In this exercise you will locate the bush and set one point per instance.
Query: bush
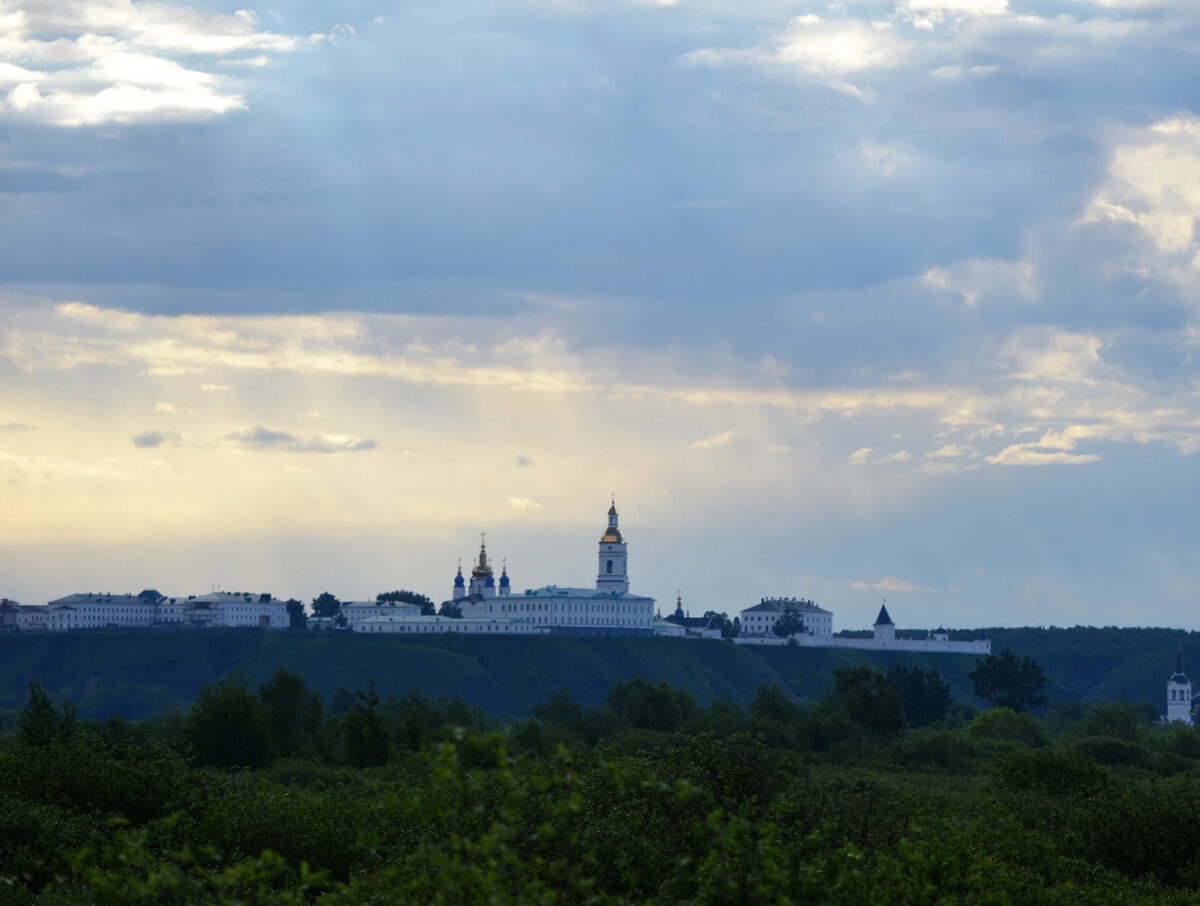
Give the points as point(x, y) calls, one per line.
point(1057, 772)
point(1006, 724)
point(942, 750)
point(1111, 751)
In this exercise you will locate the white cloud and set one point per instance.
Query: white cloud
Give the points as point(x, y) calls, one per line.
point(949, 451)
point(523, 503)
point(890, 583)
point(827, 49)
point(215, 388)
point(987, 280)
point(1030, 455)
point(74, 63)
point(865, 456)
point(1153, 186)
point(709, 443)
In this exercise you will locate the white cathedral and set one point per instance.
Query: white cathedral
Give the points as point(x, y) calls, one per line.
point(607, 609)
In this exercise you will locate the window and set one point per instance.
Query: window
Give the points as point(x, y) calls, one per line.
point(610, 567)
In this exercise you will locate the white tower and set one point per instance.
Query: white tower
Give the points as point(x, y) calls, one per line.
point(1179, 693)
point(614, 556)
point(884, 628)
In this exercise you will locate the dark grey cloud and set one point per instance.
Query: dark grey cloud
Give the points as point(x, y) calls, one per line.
point(147, 440)
point(262, 438)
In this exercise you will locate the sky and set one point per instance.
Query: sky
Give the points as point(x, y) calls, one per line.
point(842, 300)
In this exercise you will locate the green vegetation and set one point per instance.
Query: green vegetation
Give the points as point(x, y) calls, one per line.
point(139, 674)
point(258, 793)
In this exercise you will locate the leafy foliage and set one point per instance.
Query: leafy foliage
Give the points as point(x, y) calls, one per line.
point(404, 596)
point(790, 623)
point(229, 726)
point(325, 605)
point(1008, 681)
point(925, 695)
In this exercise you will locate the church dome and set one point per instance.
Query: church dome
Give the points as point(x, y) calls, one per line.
point(504, 583)
point(458, 580)
point(612, 534)
point(490, 581)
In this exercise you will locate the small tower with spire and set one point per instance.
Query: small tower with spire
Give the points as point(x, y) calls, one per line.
point(1179, 693)
point(504, 581)
point(460, 585)
point(614, 556)
point(884, 628)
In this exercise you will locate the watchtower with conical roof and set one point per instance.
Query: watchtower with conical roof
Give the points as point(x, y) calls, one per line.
point(884, 628)
point(1179, 692)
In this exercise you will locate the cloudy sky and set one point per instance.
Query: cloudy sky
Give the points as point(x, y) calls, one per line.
point(847, 300)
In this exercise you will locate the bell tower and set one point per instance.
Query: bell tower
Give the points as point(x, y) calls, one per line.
point(614, 556)
point(1179, 693)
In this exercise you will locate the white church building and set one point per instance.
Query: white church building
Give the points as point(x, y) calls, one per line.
point(1179, 693)
point(607, 609)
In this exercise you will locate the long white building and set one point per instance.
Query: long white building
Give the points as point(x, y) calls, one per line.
point(151, 610)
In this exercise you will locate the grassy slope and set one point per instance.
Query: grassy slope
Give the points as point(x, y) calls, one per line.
point(137, 674)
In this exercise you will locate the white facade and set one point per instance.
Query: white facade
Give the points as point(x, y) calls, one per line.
point(929, 646)
point(150, 610)
point(760, 619)
point(356, 612)
point(1179, 694)
point(419, 625)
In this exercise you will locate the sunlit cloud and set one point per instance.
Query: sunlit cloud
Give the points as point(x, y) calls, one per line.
point(523, 503)
point(117, 61)
point(890, 583)
point(711, 443)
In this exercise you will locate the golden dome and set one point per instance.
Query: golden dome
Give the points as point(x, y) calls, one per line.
point(613, 534)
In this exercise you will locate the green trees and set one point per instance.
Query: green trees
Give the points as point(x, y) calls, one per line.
point(364, 736)
point(789, 624)
point(293, 712)
point(1007, 681)
point(660, 707)
point(326, 605)
point(229, 726)
point(450, 609)
point(39, 723)
point(404, 596)
point(926, 696)
point(730, 629)
point(865, 697)
point(297, 619)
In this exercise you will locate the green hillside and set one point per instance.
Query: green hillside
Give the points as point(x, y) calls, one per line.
point(137, 674)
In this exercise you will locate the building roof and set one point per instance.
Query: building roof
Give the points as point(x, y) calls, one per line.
point(78, 599)
point(884, 620)
point(782, 605)
point(1179, 677)
point(232, 597)
point(555, 591)
point(697, 623)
